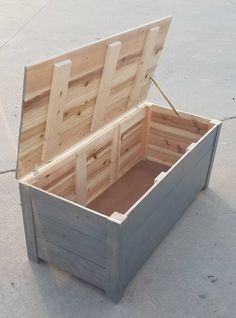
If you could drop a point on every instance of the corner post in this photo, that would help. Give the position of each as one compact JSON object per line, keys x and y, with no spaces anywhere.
{"x":27,"y":211}
{"x":115,"y":283}
{"x":219,"y":124}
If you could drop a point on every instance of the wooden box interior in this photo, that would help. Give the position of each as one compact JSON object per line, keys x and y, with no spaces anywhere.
{"x":113,"y":168}
{"x":88,"y":135}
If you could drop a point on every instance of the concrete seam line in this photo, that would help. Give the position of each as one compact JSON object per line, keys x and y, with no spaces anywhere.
{"x":7,"y":171}
{"x":33,"y":16}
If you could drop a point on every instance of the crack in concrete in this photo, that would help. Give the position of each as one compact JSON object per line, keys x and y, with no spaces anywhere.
{"x":17,"y":31}
{"x":232,"y":4}
{"x":228,"y":118}
{"x":7,"y":171}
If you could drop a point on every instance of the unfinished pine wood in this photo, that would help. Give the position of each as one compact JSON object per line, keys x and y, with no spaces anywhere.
{"x":128,"y":189}
{"x":65,"y":187}
{"x":143,"y":65}
{"x":49,"y":170}
{"x":108,"y":162}
{"x":84,"y":82}
{"x":81,"y":178}
{"x":189,"y":124}
{"x":115,"y":154}
{"x":56,"y":106}
{"x":146,"y":131}
{"x":108,"y":74}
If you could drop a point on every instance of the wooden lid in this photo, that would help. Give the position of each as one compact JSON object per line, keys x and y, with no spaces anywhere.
{"x":69,"y":97}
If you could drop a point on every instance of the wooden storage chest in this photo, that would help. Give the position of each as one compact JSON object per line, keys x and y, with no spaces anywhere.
{"x":103,"y":174}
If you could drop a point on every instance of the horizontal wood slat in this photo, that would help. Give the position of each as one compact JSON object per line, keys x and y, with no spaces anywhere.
{"x":65,"y":212}
{"x":72,"y":263}
{"x":65,"y":237}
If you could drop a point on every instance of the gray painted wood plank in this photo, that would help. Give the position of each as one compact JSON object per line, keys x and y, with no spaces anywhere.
{"x":115,"y":282}
{"x":28,"y":222}
{"x":72,"y":263}
{"x":213,"y":154}
{"x":66,"y":237}
{"x":67,"y":213}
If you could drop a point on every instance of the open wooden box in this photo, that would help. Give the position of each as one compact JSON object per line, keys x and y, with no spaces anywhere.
{"x":103,"y":174}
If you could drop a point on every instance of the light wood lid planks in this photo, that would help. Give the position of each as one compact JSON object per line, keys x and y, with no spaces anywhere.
{"x":70,"y":96}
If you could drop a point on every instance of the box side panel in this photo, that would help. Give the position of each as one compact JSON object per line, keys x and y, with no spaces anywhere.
{"x":28,"y":222}
{"x":72,"y":263}
{"x":66,"y":237}
{"x":70,"y":237}
{"x":67,"y":213}
{"x":152,"y":218}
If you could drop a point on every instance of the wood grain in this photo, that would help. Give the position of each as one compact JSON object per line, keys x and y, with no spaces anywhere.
{"x":57,"y":100}
{"x":81,"y":178}
{"x":108,"y":74}
{"x":144,"y":63}
{"x":87,"y":66}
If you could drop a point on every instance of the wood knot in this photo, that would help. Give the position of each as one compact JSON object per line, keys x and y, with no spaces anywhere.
{"x":180,"y":150}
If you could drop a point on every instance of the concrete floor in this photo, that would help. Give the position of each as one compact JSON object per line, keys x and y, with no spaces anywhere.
{"x":193,"y":272}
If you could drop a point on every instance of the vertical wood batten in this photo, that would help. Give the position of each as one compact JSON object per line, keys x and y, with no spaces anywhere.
{"x":115,"y":154}
{"x":28,"y":220}
{"x":109,"y":69}
{"x":57,"y":100}
{"x":146,"y":131}
{"x":149,"y":46}
{"x":81,"y":178}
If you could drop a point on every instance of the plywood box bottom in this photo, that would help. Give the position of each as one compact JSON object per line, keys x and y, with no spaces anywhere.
{"x":101,"y":180}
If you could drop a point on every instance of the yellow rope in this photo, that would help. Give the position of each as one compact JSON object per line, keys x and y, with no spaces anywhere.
{"x":164,"y":95}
